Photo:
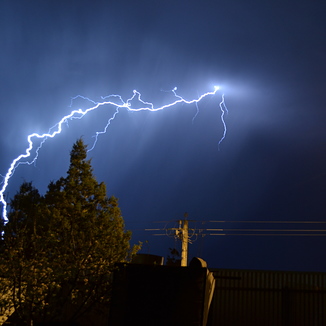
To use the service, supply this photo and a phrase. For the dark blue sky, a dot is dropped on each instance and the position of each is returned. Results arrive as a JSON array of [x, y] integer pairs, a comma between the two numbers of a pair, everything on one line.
[[267, 56]]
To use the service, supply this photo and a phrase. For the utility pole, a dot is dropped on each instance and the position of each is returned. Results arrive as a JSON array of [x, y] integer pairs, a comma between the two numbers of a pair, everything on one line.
[[183, 234]]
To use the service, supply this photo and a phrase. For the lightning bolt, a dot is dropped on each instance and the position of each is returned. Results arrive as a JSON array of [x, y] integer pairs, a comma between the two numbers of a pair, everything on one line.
[[111, 100], [224, 111]]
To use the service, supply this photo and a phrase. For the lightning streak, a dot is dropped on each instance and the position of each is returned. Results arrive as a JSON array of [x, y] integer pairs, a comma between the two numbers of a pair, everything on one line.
[[117, 102], [224, 111]]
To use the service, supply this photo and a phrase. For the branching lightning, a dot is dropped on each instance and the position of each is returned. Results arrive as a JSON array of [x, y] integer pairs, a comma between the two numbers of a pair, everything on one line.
[[112, 100]]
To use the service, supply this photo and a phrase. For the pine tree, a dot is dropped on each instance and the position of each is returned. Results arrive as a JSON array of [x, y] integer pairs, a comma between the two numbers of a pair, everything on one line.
[[70, 240]]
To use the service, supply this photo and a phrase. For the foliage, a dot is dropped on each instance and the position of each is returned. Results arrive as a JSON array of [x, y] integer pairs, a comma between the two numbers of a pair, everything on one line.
[[59, 250]]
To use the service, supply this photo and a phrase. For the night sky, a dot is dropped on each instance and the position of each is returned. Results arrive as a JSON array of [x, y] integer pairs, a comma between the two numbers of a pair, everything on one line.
[[269, 58]]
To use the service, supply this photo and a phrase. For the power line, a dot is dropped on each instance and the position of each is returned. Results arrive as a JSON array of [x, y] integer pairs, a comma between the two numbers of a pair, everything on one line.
[[271, 222], [270, 234], [268, 230], [181, 230], [171, 231]]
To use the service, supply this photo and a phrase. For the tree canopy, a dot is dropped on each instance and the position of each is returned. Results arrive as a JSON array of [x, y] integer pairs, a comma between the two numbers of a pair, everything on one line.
[[59, 250]]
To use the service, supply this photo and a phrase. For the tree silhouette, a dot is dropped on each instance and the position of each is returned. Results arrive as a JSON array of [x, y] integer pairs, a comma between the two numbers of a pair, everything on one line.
[[59, 250]]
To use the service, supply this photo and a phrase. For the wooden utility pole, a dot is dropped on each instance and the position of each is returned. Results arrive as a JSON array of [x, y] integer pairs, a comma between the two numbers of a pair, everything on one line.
[[184, 237]]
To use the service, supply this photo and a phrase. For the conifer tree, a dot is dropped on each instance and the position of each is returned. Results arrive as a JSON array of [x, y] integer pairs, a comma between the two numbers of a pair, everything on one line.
[[63, 246]]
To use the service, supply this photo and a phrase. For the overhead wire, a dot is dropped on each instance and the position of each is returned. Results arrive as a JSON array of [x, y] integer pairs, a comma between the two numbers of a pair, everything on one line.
[[251, 231]]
